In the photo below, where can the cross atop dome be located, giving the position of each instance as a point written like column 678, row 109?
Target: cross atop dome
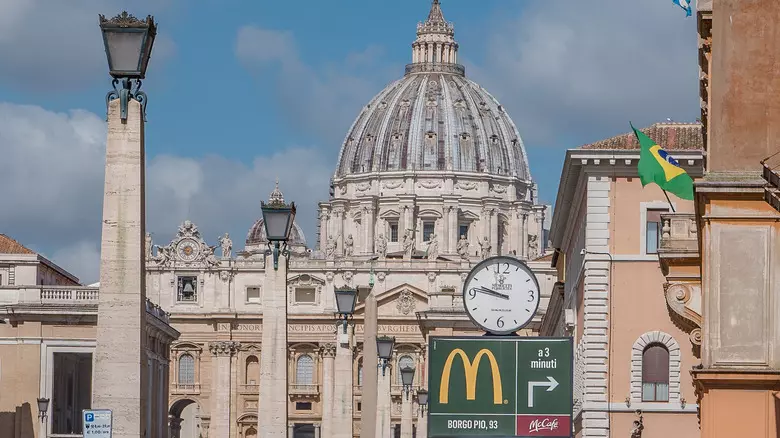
column 435, row 48
column 276, row 196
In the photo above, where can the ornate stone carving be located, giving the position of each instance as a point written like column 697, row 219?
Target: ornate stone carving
column 684, row 303
column 330, row 248
column 224, row 348
column 149, row 249
column 328, row 350
column 533, row 246
column 463, row 248
column 432, row 276
column 347, row 276
column 392, row 184
column 187, row 248
column 362, row 187
column 429, row 184
column 226, row 275
column 433, row 247
column 408, row 245
column 329, row 276
column 485, row 247
column 497, row 188
column 405, row 302
column 349, row 245
column 466, row 185
column 381, row 276
column 381, row 246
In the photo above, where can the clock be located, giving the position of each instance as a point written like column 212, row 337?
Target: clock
column 188, row 250
column 501, row 295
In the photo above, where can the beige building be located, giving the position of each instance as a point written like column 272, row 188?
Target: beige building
column 634, row 346
column 47, row 344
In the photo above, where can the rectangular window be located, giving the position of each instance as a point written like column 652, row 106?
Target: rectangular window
column 187, row 289
column 303, row 406
column 305, row 294
column 463, row 230
column 394, row 231
column 653, row 230
column 71, row 391
column 359, row 406
column 252, row 294
column 428, row 227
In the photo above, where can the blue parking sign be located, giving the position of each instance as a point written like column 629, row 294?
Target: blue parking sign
column 97, row 423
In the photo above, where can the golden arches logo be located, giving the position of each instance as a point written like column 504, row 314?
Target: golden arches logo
column 471, row 370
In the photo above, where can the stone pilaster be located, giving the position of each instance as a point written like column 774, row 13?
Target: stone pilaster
column 422, row 423
column 121, row 323
column 272, row 404
column 407, row 415
column 383, row 404
column 290, row 430
column 493, row 231
column 338, row 217
column 369, row 225
column 341, row 408
column 328, row 353
column 323, row 227
column 222, row 354
column 523, row 252
column 317, row 427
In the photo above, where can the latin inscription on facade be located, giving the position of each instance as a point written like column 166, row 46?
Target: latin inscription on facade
column 314, row 328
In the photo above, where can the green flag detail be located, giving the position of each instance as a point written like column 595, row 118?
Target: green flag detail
column 657, row 166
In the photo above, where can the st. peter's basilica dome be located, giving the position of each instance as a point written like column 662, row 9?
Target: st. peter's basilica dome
column 434, row 118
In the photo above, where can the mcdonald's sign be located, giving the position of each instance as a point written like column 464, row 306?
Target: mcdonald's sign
column 470, row 374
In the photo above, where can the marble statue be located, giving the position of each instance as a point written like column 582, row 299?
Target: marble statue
column 533, row 246
column 463, row 247
column 349, row 245
column 408, row 245
column 381, row 246
column 485, row 247
column 433, row 247
column 330, row 248
column 149, row 249
column 227, row 246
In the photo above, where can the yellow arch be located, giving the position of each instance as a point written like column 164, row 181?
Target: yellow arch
column 471, row 370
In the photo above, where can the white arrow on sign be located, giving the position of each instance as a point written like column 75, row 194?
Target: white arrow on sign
column 550, row 384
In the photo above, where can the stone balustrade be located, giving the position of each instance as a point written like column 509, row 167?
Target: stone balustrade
column 186, row 389
column 304, row 390
column 678, row 235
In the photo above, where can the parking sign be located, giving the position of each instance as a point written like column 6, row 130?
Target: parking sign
column 97, row 423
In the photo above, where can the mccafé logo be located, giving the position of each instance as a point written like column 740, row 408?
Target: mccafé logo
column 545, row 424
column 471, row 369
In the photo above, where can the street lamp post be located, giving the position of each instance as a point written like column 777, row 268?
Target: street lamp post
column 278, row 218
column 407, row 378
column 121, row 320
column 384, row 348
column 346, row 298
column 43, row 413
column 422, row 399
column 128, row 42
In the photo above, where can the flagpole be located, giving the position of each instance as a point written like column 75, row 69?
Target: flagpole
column 668, row 200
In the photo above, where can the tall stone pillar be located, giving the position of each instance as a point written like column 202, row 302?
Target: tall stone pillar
column 291, row 430
column 328, row 353
column 383, row 404
column 222, row 352
column 317, row 433
column 454, row 229
column 323, row 228
column 272, row 405
column 121, row 326
column 422, row 422
column 524, row 236
column 368, row 220
column 368, row 418
column 493, row 231
column 407, row 415
column 341, row 408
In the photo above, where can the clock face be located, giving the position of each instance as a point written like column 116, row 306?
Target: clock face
column 501, row 295
column 187, row 250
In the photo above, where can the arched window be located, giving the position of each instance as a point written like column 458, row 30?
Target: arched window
column 252, row 370
column 186, row 369
column 251, row 433
column 403, row 362
column 655, row 373
column 304, row 370
column 360, row 372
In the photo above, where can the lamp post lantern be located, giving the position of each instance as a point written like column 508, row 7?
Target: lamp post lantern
column 407, row 379
column 384, row 348
column 43, row 413
column 278, row 218
column 346, row 298
column 128, row 42
column 422, row 398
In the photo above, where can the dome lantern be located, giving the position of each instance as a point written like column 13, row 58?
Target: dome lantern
column 435, row 48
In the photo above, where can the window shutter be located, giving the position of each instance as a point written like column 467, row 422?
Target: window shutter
column 655, row 364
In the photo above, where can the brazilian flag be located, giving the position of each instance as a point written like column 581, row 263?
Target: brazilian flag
column 656, row 165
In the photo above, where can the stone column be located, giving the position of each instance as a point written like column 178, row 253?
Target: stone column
column 493, row 231
column 370, row 361
column 338, row 217
column 272, row 405
column 342, row 389
column 290, row 430
column 407, row 415
column 174, row 430
column 454, row 229
column 222, row 352
column 524, row 236
column 316, row 430
column 121, row 326
column 328, row 353
column 383, row 404
column 368, row 219
column 323, row 228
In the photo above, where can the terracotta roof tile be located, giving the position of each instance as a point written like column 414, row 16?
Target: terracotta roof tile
column 10, row 246
column 668, row 135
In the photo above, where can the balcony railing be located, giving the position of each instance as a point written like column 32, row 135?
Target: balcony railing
column 77, row 295
column 679, row 236
column 250, row 388
column 186, row 388
column 304, row 390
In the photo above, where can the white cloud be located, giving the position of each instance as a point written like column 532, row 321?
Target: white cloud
column 321, row 100
column 579, row 71
column 55, row 45
column 51, row 187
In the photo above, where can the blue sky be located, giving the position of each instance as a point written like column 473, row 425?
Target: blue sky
column 241, row 92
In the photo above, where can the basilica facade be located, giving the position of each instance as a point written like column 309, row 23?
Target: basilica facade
column 432, row 177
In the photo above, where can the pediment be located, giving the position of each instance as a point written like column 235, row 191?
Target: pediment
column 305, row 280
column 389, row 214
column 467, row 214
column 428, row 213
column 403, row 300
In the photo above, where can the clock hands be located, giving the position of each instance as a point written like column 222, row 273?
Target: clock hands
column 486, row 291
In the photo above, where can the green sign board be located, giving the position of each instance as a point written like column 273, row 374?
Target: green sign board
column 500, row 386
